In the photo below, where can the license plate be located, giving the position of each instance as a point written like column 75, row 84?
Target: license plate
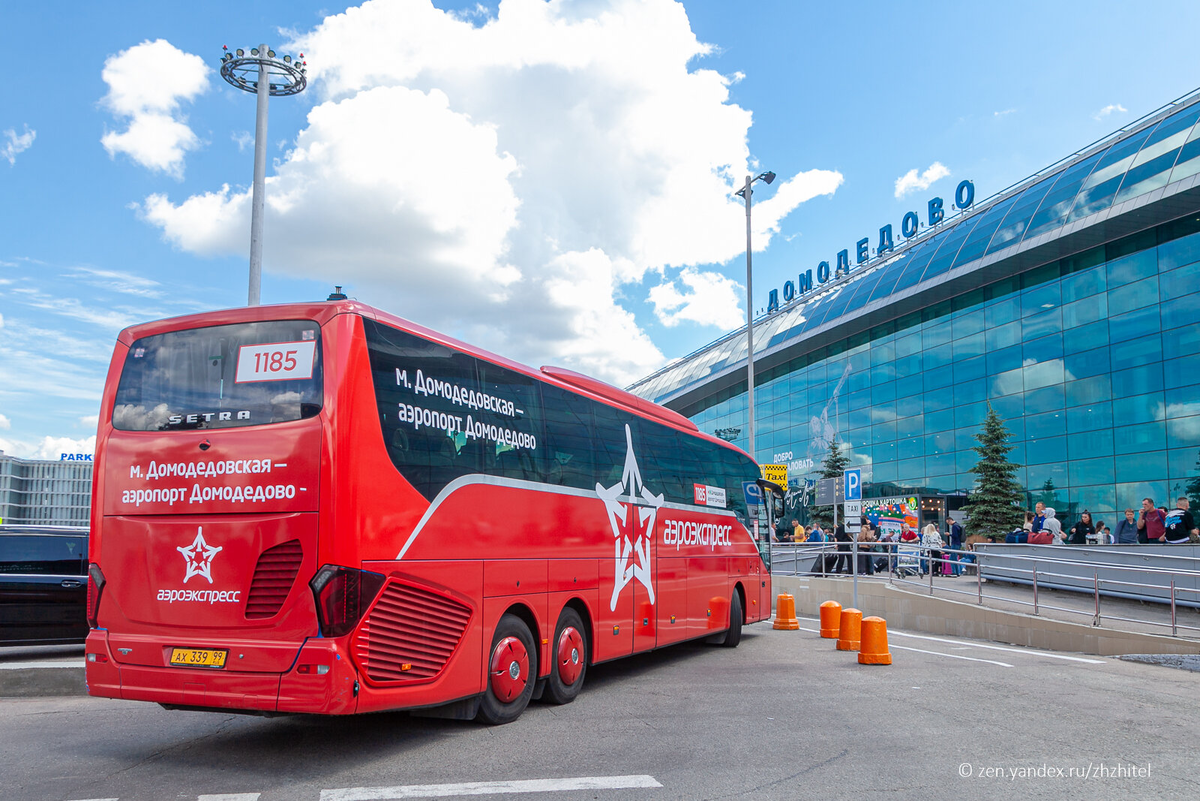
column 198, row 657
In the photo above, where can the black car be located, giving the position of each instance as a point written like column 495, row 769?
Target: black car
column 43, row 585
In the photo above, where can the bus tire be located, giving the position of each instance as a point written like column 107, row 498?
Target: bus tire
column 569, row 649
column 733, row 635
column 511, row 673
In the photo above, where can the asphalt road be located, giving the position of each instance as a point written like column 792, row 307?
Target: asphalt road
column 783, row 716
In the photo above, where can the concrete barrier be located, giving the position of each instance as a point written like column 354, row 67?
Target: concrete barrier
column 915, row 611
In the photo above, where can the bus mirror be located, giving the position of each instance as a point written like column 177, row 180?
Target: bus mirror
column 777, row 505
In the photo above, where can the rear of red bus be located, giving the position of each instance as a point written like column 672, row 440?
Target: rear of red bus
column 210, row 587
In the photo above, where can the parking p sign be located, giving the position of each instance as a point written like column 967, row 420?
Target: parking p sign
column 853, row 479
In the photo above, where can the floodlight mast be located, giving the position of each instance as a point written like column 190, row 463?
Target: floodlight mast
column 264, row 75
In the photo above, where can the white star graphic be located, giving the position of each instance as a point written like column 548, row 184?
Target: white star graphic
column 630, row 537
column 199, row 556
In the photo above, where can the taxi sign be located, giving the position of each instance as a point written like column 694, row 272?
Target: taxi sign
column 776, row 473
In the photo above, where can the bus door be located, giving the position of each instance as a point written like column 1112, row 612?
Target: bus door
column 769, row 513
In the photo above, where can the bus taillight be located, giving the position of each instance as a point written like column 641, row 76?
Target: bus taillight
column 343, row 595
column 95, row 588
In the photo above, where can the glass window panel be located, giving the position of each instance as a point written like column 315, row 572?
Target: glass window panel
column 1040, row 298
column 1178, row 283
column 977, row 242
column 838, row 303
column 1007, row 383
column 1134, row 324
column 1127, row 270
column 1090, row 444
column 937, row 399
column 883, row 374
column 1179, row 252
column 1136, row 352
column 943, row 462
column 1087, row 364
column 883, row 432
column 1129, row 495
column 1057, row 204
column 1154, row 162
column 1090, row 417
column 916, row 264
column 1017, row 220
column 1096, row 193
column 1091, row 471
column 944, row 257
column 965, row 372
column 882, row 393
column 1010, row 407
column 1004, row 310
column 1096, row 389
column 1177, row 313
column 1040, row 426
column 1003, row 360
column 1137, row 380
column 910, row 406
column 1181, row 402
column 938, row 379
column 1042, row 350
column 1086, row 336
column 911, row 470
column 910, row 385
column 970, row 415
column 1003, row 336
column 1043, row 374
column 965, row 460
column 1084, row 284
column 940, row 442
column 1084, row 312
column 1138, row 408
column 966, row 323
column 1134, row 438
column 939, row 421
column 1149, row 466
column 1183, row 463
column 939, row 357
column 935, row 334
column 883, row 472
column 1049, row 448
column 969, row 347
column 1181, row 372
column 1039, row 325
column 1099, row 500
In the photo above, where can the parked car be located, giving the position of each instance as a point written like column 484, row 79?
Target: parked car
column 43, row 585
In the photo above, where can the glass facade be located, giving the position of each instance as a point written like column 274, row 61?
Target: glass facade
column 1093, row 361
column 44, row 493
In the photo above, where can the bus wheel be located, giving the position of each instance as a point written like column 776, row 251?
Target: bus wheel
column 570, row 659
column 734, row 635
column 512, row 672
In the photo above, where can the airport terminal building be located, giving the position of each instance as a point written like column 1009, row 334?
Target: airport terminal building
column 1068, row 302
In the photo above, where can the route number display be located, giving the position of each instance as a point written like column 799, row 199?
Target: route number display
column 282, row 361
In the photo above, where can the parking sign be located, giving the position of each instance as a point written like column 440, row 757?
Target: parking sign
column 853, row 480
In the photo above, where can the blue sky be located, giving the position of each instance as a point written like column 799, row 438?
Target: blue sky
column 549, row 181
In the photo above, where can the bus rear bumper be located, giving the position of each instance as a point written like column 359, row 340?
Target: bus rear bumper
column 321, row 681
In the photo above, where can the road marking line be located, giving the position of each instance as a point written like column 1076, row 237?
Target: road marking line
column 950, row 656
column 99, row 799
column 489, row 788
column 230, row 797
column 1021, row 650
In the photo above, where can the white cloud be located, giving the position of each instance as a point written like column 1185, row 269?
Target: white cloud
column 17, row 143
column 50, row 448
column 711, row 299
column 146, row 85
column 92, row 420
column 1112, row 108
column 1004, row 113
column 506, row 179
column 912, row 182
column 243, row 139
column 5, row 423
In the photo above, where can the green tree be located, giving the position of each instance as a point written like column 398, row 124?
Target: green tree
column 1193, row 487
column 994, row 507
column 834, row 465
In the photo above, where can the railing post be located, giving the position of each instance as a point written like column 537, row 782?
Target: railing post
column 854, row 558
column 1174, row 628
column 1096, row 590
column 929, row 564
column 1035, row 598
column 979, row 574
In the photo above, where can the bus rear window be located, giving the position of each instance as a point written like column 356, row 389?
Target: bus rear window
column 221, row 377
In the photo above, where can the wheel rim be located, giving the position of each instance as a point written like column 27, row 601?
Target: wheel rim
column 509, row 669
column 570, row 655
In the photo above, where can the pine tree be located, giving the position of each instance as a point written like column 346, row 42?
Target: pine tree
column 994, row 508
column 834, row 465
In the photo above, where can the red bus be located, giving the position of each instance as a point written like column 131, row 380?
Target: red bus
column 323, row 508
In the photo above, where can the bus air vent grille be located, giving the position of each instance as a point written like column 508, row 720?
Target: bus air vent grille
column 273, row 578
column 410, row 634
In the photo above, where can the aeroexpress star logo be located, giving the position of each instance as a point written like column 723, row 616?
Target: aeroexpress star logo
column 199, row 556
column 632, row 523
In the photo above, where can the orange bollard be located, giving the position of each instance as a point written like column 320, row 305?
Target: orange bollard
column 874, row 642
column 785, row 612
column 849, row 637
column 831, row 614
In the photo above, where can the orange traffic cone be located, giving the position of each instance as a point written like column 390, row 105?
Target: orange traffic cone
column 850, row 627
column 785, row 612
column 831, row 612
column 874, row 642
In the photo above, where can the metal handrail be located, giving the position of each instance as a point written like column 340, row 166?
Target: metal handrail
column 893, row 551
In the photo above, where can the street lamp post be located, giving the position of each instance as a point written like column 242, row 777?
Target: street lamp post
column 745, row 192
column 264, row 75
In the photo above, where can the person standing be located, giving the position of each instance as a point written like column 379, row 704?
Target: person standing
column 956, row 544
column 1126, row 532
column 843, row 546
column 931, row 539
column 1180, row 527
column 1039, row 517
column 1151, row 523
column 1082, row 530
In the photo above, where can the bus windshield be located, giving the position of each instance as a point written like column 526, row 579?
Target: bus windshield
column 221, row 377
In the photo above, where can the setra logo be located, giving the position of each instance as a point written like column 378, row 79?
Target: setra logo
column 199, row 556
column 632, row 524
